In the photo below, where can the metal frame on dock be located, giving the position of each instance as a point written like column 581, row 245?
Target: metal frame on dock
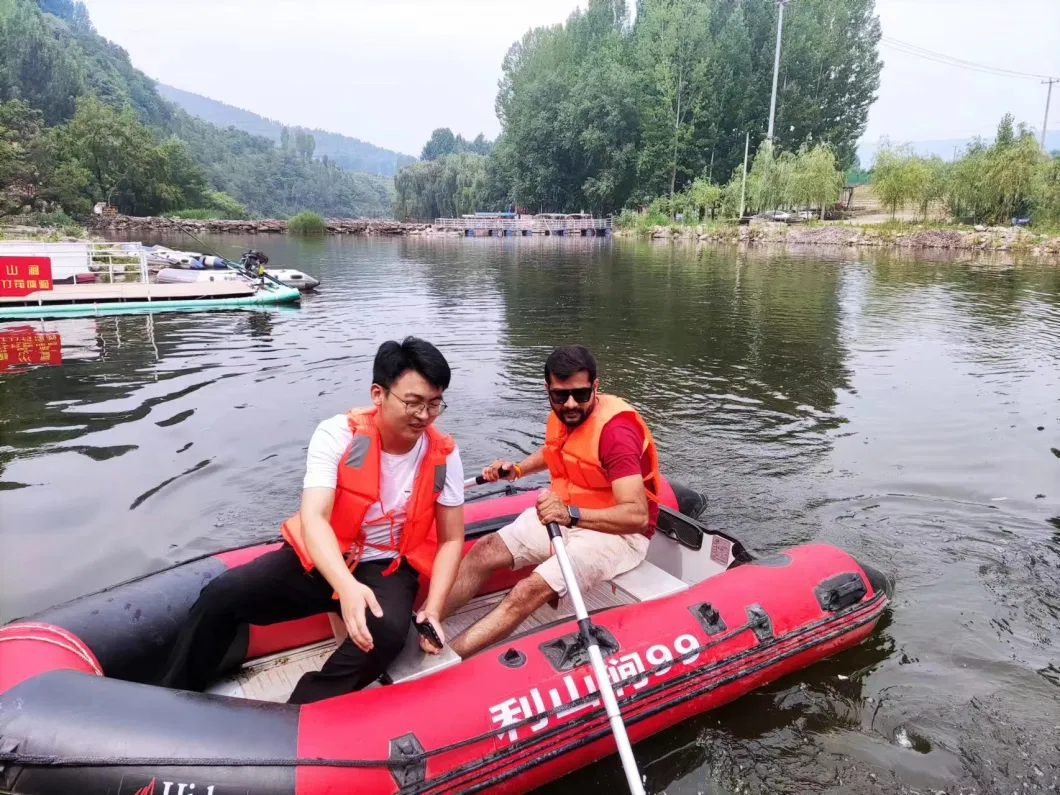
column 525, row 226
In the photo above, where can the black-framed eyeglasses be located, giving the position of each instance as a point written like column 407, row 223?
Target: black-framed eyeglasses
column 416, row 407
column 561, row 396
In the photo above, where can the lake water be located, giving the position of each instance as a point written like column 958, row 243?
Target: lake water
column 905, row 410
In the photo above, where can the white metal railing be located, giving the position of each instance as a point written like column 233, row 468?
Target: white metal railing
column 535, row 224
column 124, row 259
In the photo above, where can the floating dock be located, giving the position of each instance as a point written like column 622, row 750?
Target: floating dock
column 80, row 300
column 508, row 225
column 122, row 286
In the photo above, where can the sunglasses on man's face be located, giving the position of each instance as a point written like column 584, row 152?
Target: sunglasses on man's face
column 561, row 396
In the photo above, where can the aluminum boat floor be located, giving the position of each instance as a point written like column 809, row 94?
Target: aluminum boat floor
column 273, row 678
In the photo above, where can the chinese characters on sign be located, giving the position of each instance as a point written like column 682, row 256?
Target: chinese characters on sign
column 25, row 345
column 628, row 672
column 20, row 276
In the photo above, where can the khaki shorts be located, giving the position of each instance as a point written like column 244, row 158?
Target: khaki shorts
column 594, row 556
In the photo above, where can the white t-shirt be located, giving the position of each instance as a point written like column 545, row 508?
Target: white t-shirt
column 397, row 475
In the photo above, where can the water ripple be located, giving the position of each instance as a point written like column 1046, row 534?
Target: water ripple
column 888, row 406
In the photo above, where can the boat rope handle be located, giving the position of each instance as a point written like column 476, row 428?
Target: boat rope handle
column 69, row 637
column 45, row 760
column 61, row 645
column 71, row 645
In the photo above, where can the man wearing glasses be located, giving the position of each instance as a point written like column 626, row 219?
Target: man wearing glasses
column 604, row 473
column 382, row 503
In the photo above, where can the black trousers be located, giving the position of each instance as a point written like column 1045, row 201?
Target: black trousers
column 275, row 588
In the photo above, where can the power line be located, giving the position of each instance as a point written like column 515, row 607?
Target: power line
column 1048, row 96
column 918, row 50
column 957, row 62
column 949, row 60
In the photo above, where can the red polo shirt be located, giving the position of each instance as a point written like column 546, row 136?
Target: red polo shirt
column 621, row 442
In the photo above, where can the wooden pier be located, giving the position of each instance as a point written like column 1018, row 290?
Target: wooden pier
column 524, row 226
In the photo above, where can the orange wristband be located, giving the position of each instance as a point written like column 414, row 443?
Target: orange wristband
column 518, row 471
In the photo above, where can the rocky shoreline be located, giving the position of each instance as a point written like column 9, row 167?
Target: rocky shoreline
column 1000, row 238
column 335, row 226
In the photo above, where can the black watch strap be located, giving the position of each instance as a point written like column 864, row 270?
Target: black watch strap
column 575, row 515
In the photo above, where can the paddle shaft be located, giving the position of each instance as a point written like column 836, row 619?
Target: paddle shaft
column 227, row 262
column 603, row 681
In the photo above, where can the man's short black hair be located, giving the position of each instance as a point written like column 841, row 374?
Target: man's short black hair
column 394, row 358
column 564, row 362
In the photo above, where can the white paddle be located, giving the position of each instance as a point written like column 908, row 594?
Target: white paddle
column 603, row 682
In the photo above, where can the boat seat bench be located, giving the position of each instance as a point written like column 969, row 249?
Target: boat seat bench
column 272, row 678
column 646, row 581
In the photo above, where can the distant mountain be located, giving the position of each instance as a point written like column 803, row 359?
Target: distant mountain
column 943, row 148
column 349, row 153
column 52, row 59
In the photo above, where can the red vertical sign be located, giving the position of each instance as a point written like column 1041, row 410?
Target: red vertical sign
column 20, row 276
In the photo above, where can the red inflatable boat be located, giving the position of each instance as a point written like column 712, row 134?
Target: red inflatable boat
column 701, row 622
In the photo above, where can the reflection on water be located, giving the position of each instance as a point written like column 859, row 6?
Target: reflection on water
column 883, row 404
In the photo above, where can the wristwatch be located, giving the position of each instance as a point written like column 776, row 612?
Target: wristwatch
column 575, row 515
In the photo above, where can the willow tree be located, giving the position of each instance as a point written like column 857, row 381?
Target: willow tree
column 893, row 176
column 994, row 183
column 931, row 182
column 701, row 196
column 1014, row 164
column 1047, row 195
column 816, row 181
column 448, row 186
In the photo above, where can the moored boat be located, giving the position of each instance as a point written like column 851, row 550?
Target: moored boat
column 293, row 278
column 183, row 267
column 701, row 622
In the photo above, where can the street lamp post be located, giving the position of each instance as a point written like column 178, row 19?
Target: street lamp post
column 776, row 69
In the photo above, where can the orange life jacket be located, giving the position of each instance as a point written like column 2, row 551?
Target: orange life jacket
column 357, row 489
column 573, row 456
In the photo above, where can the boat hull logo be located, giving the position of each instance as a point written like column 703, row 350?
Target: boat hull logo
column 167, row 785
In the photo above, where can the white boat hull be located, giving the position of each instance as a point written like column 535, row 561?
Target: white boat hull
column 182, row 276
column 292, row 278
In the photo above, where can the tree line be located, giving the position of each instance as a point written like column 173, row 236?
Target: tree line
column 613, row 110
column 86, row 126
column 989, row 183
column 808, row 179
column 101, row 154
column 442, row 142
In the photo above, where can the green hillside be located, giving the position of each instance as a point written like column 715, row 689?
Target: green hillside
column 349, row 153
column 79, row 124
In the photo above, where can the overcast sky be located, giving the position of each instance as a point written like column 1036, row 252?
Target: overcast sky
column 390, row 71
